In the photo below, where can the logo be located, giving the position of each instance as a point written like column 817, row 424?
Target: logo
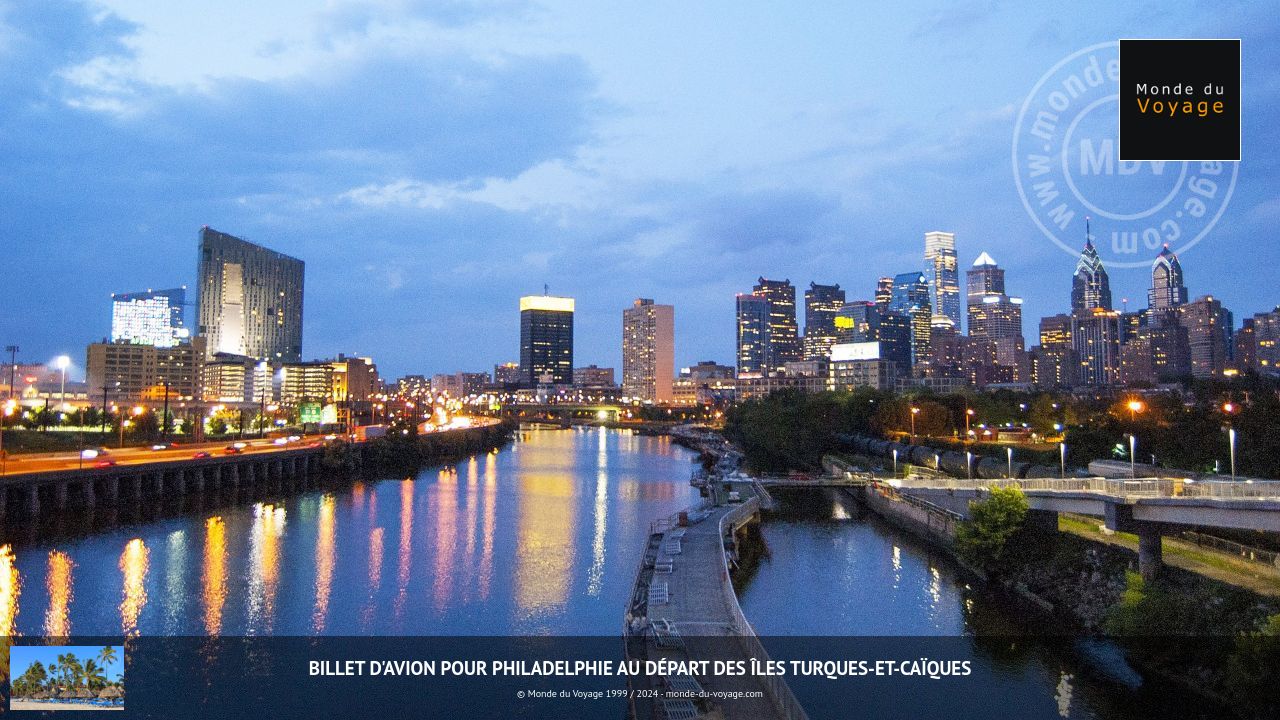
column 1067, row 166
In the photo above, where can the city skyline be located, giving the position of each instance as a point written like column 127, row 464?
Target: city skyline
column 790, row 169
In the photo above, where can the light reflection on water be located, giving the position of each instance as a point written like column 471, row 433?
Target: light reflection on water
column 540, row 537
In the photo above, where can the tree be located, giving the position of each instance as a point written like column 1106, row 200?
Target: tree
column 93, row 677
column 107, row 655
column 982, row 540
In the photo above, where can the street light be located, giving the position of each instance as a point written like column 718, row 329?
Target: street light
column 1135, row 406
column 968, row 463
column 1062, row 458
column 63, row 362
column 1133, row 449
column 968, row 415
column 895, row 462
column 1231, row 437
column 1010, row 453
column 914, row 411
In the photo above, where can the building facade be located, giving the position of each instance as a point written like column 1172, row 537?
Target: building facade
column 153, row 317
column 911, row 298
column 648, row 351
column 944, row 277
column 753, row 334
column 821, row 305
column 784, row 333
column 127, row 372
column 250, row 299
column 546, row 340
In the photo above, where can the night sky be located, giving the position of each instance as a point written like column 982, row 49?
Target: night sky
column 433, row 161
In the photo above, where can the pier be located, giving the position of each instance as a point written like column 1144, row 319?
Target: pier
column 684, row 607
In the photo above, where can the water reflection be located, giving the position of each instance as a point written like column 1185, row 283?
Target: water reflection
column 324, row 562
column 264, row 566
column 57, row 619
column 540, row 540
column 10, row 589
column 214, row 578
column 134, row 562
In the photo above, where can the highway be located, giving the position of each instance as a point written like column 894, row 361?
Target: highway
column 49, row 462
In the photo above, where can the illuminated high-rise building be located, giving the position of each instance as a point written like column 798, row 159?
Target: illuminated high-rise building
column 1090, row 286
column 992, row 313
column 546, row 340
column 1095, row 338
column 784, row 334
column 821, row 304
column 944, row 277
column 754, row 348
column 250, row 299
column 1209, row 335
column 911, row 298
column 648, row 351
column 1167, row 289
column 884, row 293
column 154, row 317
column 1056, row 364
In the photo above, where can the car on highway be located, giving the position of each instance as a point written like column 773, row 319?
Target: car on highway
column 202, row 454
column 104, row 463
column 280, row 441
column 161, row 446
column 234, row 449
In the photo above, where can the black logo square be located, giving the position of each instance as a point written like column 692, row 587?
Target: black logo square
column 1180, row 100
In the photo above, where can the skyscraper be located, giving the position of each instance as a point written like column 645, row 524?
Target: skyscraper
column 821, row 303
column 911, row 298
column 250, row 299
column 754, row 354
column 784, row 337
column 1209, row 335
column 992, row 313
column 546, row 340
column 648, row 351
column 1167, row 290
column 1056, row 366
column 944, row 277
column 1095, row 337
column 154, row 317
column 884, row 293
column 1090, row 287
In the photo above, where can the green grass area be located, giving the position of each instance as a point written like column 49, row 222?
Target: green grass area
column 1229, row 568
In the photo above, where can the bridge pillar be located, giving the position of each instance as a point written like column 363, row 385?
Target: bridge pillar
column 1150, row 551
column 111, row 488
column 4, row 502
column 88, row 498
column 233, row 475
column 179, row 484
column 60, row 495
column 33, row 501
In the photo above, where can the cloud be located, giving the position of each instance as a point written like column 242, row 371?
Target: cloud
column 957, row 19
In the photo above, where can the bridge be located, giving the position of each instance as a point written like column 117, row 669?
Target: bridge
column 1147, row 507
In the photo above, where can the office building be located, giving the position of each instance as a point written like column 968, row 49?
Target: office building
column 821, row 305
column 1090, row 286
column 153, row 317
column 250, row 299
column 592, row 377
column 546, row 340
column 944, row 277
column 784, row 335
column 884, row 293
column 1095, row 338
column 911, row 298
column 648, row 351
column 859, row 365
column 1167, row 289
column 129, row 372
column 707, row 383
column 507, row 375
column 1056, row 365
column 754, row 347
column 1209, row 336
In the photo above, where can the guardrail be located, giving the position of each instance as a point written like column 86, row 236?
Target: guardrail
column 1115, row 487
column 785, row 701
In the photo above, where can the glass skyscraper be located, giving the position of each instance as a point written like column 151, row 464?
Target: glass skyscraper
column 944, row 277
column 250, row 299
column 821, row 304
column 754, row 354
column 153, row 317
column 546, row 340
column 911, row 298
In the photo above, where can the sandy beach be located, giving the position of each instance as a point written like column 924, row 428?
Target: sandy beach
column 46, row 705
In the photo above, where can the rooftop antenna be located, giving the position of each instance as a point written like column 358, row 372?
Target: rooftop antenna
column 1088, row 236
column 546, row 289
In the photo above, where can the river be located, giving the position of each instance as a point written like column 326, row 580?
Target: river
column 540, row 537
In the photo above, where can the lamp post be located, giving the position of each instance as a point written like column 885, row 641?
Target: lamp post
column 968, row 415
column 1009, row 474
column 63, row 362
column 13, row 366
column 1231, row 438
column 1062, row 458
column 1133, row 449
column 895, row 462
column 968, row 463
column 914, row 411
